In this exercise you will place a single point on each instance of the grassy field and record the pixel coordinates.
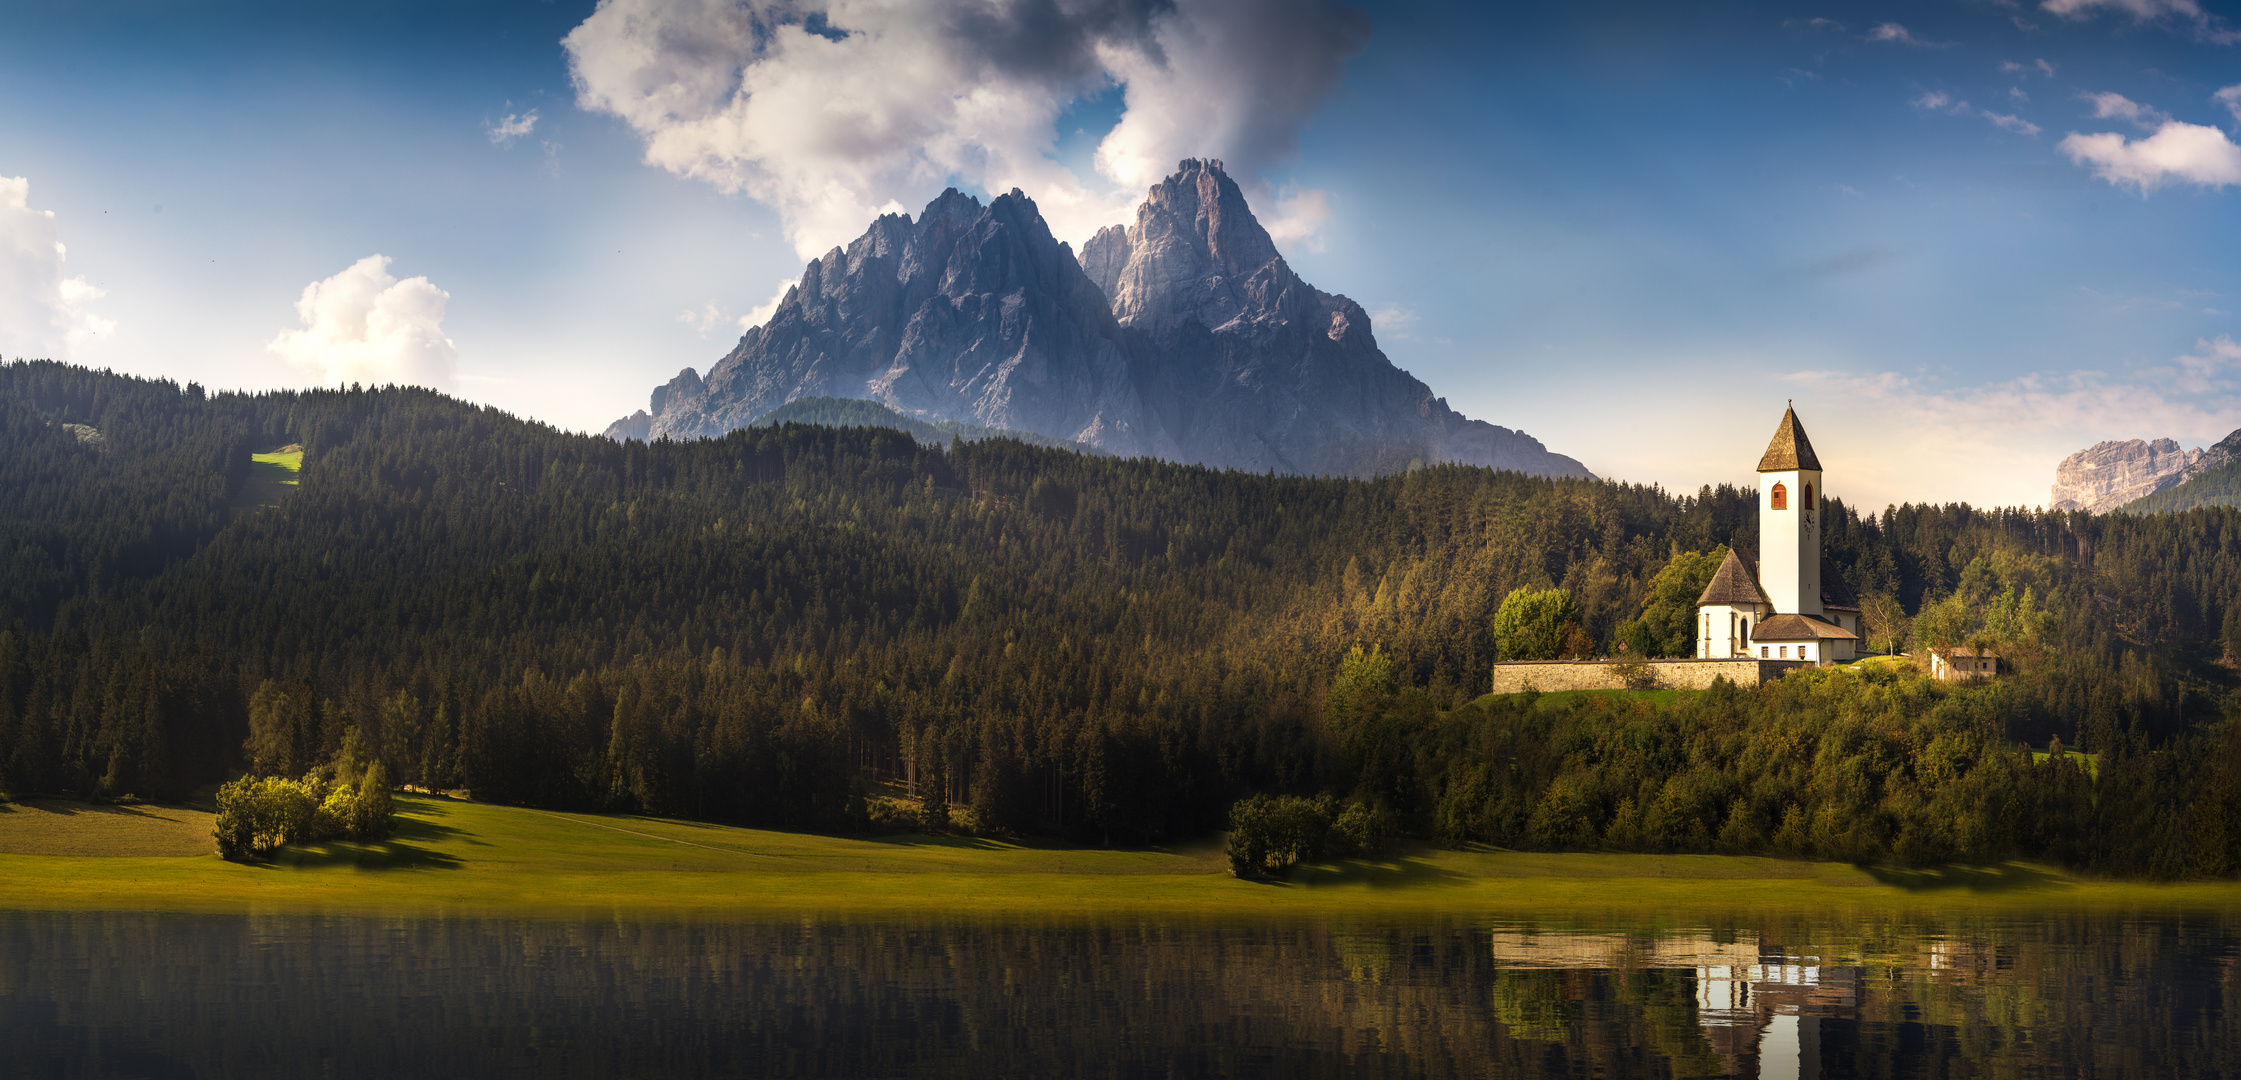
(67, 827)
(458, 857)
(272, 475)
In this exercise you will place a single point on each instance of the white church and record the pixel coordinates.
(1794, 604)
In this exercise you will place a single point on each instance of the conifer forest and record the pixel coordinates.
(777, 626)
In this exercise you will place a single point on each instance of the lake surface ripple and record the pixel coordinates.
(118, 995)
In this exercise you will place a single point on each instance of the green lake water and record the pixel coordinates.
(143, 995)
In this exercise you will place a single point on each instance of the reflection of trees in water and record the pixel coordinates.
(102, 994)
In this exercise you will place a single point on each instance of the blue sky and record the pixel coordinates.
(1632, 230)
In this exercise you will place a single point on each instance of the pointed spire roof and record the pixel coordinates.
(1790, 448)
(1734, 583)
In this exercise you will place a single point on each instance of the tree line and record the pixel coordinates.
(761, 627)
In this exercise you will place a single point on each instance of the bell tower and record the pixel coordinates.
(1790, 494)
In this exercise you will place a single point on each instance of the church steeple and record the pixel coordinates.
(1791, 450)
(1790, 494)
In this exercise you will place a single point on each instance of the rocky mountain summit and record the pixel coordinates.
(1185, 336)
(2108, 475)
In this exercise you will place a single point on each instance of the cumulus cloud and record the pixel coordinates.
(511, 127)
(2230, 97)
(2119, 107)
(833, 111)
(2177, 152)
(2011, 67)
(365, 326)
(2186, 14)
(42, 313)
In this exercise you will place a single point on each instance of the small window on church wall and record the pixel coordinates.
(1781, 497)
(1808, 498)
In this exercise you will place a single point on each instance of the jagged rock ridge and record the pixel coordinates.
(1184, 336)
(2108, 475)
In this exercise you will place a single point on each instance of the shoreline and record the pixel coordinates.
(453, 858)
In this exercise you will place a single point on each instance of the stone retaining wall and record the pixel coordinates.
(1552, 675)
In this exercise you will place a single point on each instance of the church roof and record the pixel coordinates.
(1790, 448)
(1798, 628)
(1834, 592)
(1734, 583)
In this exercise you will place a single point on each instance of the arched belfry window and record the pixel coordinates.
(1781, 497)
(1808, 497)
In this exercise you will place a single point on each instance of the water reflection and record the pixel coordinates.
(153, 995)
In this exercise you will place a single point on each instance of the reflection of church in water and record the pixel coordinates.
(1794, 604)
(1764, 1009)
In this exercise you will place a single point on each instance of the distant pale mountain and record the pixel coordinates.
(2214, 479)
(1185, 336)
(2108, 475)
(2147, 476)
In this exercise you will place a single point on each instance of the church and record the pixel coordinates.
(1793, 605)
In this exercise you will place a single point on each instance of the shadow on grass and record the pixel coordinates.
(420, 828)
(2009, 877)
(387, 855)
(72, 808)
(961, 843)
(1392, 871)
(415, 820)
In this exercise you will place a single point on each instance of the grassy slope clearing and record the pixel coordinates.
(273, 475)
(457, 857)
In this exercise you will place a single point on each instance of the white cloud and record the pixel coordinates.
(2230, 97)
(762, 312)
(2138, 9)
(833, 111)
(2178, 151)
(511, 127)
(1895, 34)
(2010, 122)
(1295, 216)
(42, 313)
(2011, 67)
(1394, 322)
(2118, 107)
(704, 319)
(2183, 13)
(1939, 101)
(364, 326)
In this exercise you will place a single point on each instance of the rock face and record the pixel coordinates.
(2108, 475)
(1185, 336)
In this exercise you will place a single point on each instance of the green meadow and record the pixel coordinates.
(272, 477)
(456, 857)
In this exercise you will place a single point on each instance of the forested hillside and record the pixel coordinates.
(856, 412)
(2216, 486)
(748, 628)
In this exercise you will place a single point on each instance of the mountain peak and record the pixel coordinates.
(1184, 336)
